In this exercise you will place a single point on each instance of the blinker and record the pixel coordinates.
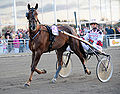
(27, 15)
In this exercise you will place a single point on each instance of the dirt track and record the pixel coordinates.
(14, 72)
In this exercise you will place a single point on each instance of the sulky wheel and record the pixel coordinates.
(104, 69)
(66, 69)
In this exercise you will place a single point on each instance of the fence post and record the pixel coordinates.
(24, 45)
(105, 41)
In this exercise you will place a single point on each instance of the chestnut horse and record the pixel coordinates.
(39, 43)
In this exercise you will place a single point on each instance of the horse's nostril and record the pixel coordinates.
(34, 26)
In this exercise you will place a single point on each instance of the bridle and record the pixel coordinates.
(32, 20)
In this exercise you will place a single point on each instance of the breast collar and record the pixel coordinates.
(32, 38)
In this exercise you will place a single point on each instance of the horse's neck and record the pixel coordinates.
(33, 33)
(38, 28)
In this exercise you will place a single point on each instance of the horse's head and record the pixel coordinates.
(32, 17)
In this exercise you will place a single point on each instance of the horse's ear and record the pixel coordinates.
(36, 7)
(29, 6)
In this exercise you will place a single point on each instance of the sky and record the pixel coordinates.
(65, 10)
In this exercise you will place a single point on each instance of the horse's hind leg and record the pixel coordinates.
(85, 68)
(59, 57)
(83, 60)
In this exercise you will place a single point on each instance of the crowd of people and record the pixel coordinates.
(20, 40)
(16, 41)
(106, 30)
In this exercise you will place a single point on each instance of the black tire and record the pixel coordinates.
(104, 69)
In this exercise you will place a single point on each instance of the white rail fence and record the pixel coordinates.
(14, 46)
(22, 45)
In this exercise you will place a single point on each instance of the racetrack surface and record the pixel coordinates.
(15, 71)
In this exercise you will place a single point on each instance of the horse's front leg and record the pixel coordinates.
(40, 71)
(35, 59)
(37, 70)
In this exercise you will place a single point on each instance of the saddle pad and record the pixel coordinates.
(55, 30)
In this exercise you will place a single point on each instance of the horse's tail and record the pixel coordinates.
(72, 31)
(80, 45)
(82, 50)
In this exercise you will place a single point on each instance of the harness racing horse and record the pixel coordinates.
(40, 41)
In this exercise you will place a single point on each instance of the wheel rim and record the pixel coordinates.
(104, 70)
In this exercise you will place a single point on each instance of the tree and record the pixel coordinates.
(10, 28)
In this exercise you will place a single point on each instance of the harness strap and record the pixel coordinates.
(50, 32)
(51, 43)
(38, 21)
(51, 37)
(36, 34)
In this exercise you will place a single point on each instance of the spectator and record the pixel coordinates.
(117, 29)
(82, 32)
(8, 34)
(27, 40)
(18, 32)
(101, 28)
(9, 42)
(1, 45)
(16, 44)
(106, 30)
(114, 32)
(21, 43)
(5, 47)
(23, 33)
(13, 34)
(110, 30)
(85, 30)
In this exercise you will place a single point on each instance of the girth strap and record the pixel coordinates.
(51, 37)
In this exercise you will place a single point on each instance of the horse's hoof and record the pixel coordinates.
(54, 80)
(26, 85)
(44, 71)
(87, 71)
